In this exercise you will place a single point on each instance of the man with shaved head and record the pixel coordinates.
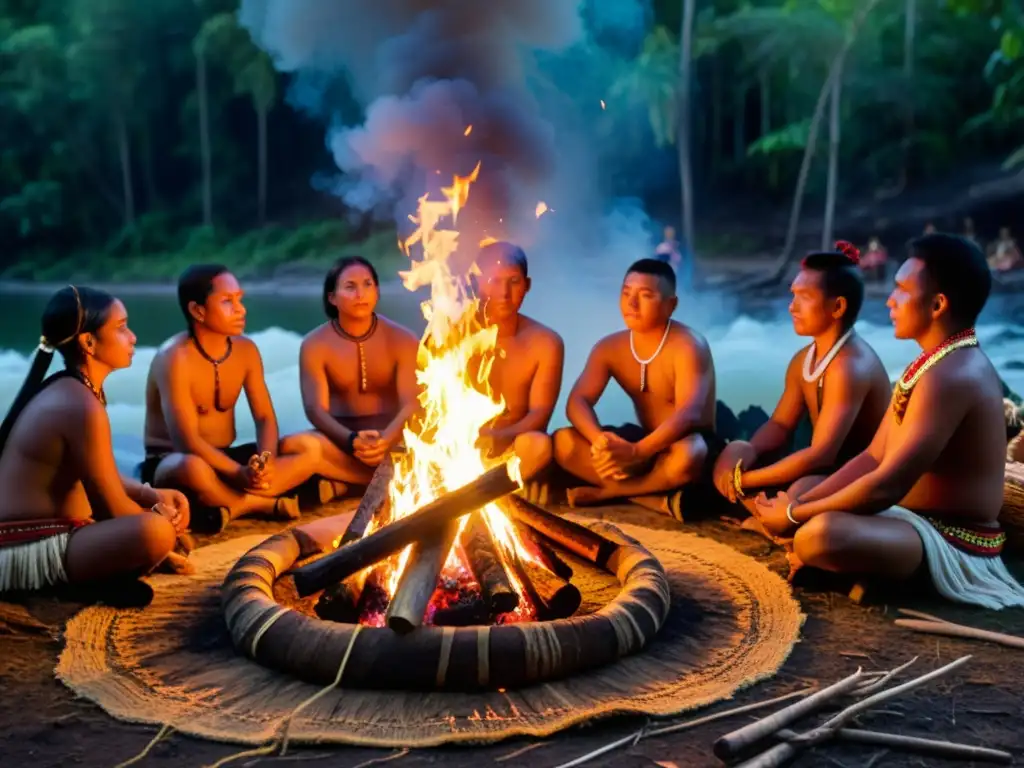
(667, 371)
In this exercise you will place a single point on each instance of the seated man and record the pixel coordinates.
(527, 371)
(667, 371)
(929, 487)
(844, 389)
(357, 372)
(66, 515)
(193, 385)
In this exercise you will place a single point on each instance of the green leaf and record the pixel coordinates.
(1011, 46)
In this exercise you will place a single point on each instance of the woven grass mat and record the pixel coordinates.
(732, 624)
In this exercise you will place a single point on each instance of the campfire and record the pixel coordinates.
(435, 540)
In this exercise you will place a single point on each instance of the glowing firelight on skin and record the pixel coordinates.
(455, 398)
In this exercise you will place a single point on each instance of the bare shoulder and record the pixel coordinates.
(683, 338)
(535, 332)
(612, 345)
(397, 333)
(171, 354)
(73, 403)
(858, 362)
(316, 337)
(967, 376)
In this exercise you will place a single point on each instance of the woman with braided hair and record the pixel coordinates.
(66, 514)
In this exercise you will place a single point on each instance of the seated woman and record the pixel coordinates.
(66, 515)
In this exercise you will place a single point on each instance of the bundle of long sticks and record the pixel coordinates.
(867, 691)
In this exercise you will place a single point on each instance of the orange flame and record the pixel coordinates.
(453, 365)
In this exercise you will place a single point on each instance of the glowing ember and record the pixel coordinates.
(542, 208)
(469, 130)
(453, 366)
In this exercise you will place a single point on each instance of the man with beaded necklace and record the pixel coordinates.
(843, 389)
(928, 490)
(357, 373)
(667, 370)
(192, 389)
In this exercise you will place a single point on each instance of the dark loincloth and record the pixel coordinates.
(374, 421)
(697, 494)
(32, 552)
(146, 470)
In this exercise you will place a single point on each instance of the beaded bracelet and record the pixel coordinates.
(737, 480)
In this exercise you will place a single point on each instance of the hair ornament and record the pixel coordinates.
(849, 250)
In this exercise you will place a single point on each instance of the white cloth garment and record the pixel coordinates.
(959, 576)
(33, 565)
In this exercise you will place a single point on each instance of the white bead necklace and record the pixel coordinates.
(819, 369)
(649, 360)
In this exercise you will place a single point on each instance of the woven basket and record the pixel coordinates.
(1012, 514)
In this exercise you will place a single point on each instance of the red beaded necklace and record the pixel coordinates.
(906, 383)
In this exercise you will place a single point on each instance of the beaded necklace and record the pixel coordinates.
(926, 361)
(215, 362)
(649, 360)
(358, 341)
(83, 377)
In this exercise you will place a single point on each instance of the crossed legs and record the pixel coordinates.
(681, 463)
(300, 457)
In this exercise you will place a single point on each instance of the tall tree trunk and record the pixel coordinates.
(716, 114)
(202, 96)
(766, 102)
(124, 152)
(909, 30)
(833, 159)
(683, 140)
(148, 170)
(261, 131)
(739, 124)
(778, 272)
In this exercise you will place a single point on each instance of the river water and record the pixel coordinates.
(751, 344)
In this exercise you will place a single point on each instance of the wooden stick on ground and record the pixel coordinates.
(733, 743)
(395, 536)
(946, 749)
(781, 754)
(481, 554)
(685, 725)
(933, 625)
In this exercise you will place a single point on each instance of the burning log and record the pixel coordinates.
(540, 549)
(572, 537)
(341, 602)
(419, 579)
(374, 500)
(392, 538)
(554, 598)
(481, 554)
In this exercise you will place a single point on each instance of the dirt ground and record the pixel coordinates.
(42, 724)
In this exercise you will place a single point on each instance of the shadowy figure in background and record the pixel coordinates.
(928, 489)
(1004, 254)
(194, 383)
(358, 373)
(66, 515)
(838, 381)
(667, 370)
(527, 370)
(875, 261)
(669, 249)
